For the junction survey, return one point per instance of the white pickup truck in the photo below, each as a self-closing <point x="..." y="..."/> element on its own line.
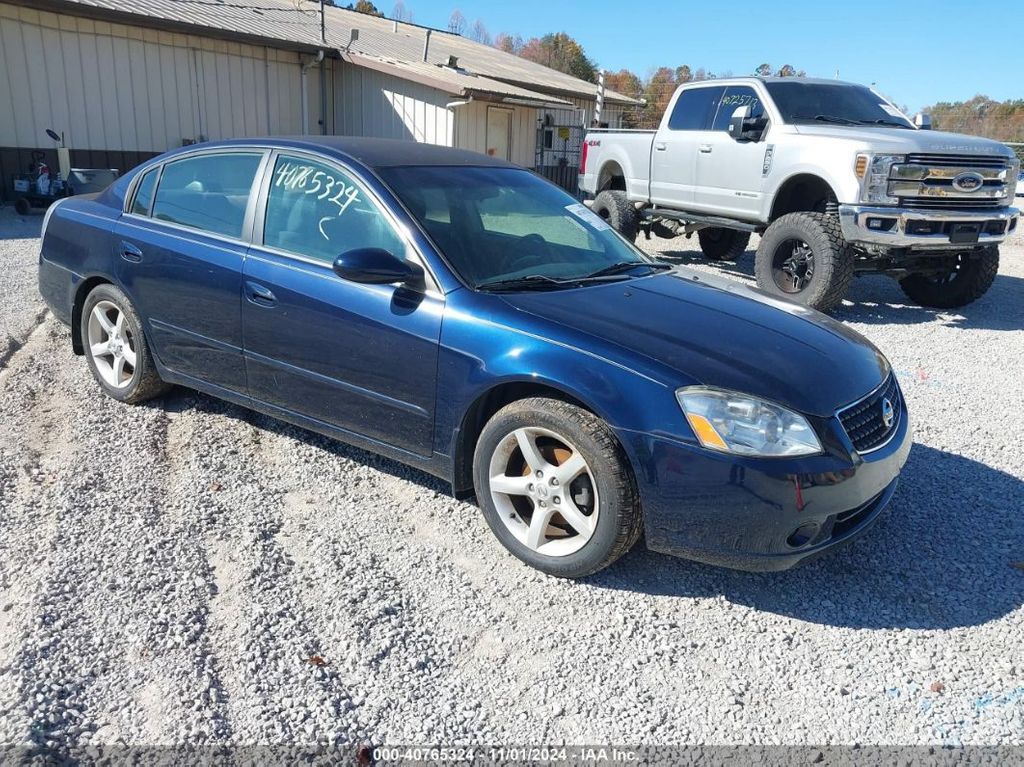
<point x="835" y="179"/>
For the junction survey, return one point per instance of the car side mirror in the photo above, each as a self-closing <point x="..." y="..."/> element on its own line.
<point x="744" y="127"/>
<point x="376" y="266"/>
<point x="923" y="121"/>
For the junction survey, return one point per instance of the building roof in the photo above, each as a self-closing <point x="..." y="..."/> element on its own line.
<point x="382" y="44"/>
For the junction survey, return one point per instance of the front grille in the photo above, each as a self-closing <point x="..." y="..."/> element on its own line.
<point x="968" y="160"/>
<point x="863" y="420"/>
<point x="946" y="203"/>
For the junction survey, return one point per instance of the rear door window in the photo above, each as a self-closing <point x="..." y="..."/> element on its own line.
<point x="734" y="97"/>
<point x="208" y="192"/>
<point x="144" y="193"/>
<point x="695" y="107"/>
<point x="317" y="211"/>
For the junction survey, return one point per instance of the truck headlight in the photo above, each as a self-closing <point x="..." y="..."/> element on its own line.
<point x="736" y="423"/>
<point x="1011" y="181"/>
<point x="874" y="170"/>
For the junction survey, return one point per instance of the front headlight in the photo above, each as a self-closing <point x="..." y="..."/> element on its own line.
<point x="874" y="170"/>
<point x="736" y="423"/>
<point x="1012" y="180"/>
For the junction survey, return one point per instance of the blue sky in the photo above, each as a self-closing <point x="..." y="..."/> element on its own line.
<point x="916" y="52"/>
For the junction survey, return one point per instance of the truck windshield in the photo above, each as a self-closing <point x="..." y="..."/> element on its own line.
<point x="507" y="229"/>
<point x="834" y="103"/>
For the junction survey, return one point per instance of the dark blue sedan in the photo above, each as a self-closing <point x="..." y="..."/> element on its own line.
<point x="461" y="315"/>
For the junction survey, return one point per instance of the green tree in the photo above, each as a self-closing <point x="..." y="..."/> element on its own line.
<point x="765" y="70"/>
<point x="364" y="6"/>
<point x="560" y="51"/>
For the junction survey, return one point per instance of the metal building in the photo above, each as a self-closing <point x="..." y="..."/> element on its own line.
<point x="126" y="79"/>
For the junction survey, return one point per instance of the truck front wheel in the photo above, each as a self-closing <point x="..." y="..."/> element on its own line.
<point x="803" y="257"/>
<point x="969" y="276"/>
<point x="720" y="244"/>
<point x="614" y="207"/>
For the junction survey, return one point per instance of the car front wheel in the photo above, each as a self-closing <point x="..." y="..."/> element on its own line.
<point x="116" y="347"/>
<point x="556" y="488"/>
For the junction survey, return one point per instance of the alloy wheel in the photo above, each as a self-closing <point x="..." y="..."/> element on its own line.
<point x="793" y="266"/>
<point x="111" y="345"/>
<point x="544" y="491"/>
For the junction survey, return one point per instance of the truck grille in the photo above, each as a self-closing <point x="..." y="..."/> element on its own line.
<point x="864" y="422"/>
<point x="925" y="181"/>
<point x="969" y="160"/>
<point x="948" y="203"/>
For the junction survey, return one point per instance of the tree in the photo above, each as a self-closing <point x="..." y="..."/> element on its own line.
<point x="765" y="70"/>
<point x="561" y="52"/>
<point x="364" y="6"/>
<point x="457" y="22"/>
<point x="786" y="70"/>
<point x="480" y="33"/>
<point x="400" y="12"/>
<point x="981" y="116"/>
<point x="508" y="43"/>
<point x="658" y="92"/>
<point x="683" y="74"/>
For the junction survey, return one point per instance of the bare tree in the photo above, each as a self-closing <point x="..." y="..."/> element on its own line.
<point x="480" y="33"/>
<point x="400" y="12"/>
<point x="457" y="23"/>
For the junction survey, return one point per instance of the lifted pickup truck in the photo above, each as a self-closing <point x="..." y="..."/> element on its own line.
<point x="835" y="179"/>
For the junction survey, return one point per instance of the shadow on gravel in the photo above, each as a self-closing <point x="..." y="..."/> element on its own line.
<point x="948" y="553"/>
<point x="878" y="300"/>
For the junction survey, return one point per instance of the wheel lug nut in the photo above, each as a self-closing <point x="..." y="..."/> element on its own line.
<point x="542" y="504"/>
<point x="554" y="482"/>
<point x="557" y="499"/>
<point x="530" y="487"/>
<point x="539" y="473"/>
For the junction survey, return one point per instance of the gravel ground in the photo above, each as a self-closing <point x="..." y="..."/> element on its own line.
<point x="191" y="572"/>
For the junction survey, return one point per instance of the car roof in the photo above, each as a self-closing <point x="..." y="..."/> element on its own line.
<point x="372" y="153"/>
<point x="746" y="80"/>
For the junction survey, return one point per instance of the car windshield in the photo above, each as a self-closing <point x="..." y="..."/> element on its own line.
<point x="835" y="103"/>
<point x="506" y="228"/>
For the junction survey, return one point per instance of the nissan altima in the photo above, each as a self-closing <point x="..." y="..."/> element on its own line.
<point x="464" y="316"/>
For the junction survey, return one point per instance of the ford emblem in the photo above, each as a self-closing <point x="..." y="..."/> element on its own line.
<point x="968" y="182"/>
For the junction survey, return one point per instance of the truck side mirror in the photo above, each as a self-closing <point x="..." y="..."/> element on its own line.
<point x="923" y="121"/>
<point x="743" y="127"/>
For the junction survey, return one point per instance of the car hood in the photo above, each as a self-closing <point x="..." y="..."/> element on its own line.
<point x="901" y="140"/>
<point x="704" y="329"/>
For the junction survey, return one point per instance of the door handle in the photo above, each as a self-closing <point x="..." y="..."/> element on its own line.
<point x="705" y="148"/>
<point x="661" y="146"/>
<point x="130" y="252"/>
<point x="259" y="295"/>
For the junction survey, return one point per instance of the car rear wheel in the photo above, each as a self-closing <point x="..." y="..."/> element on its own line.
<point x="803" y="257"/>
<point x="556" y="488"/>
<point x="968" y="278"/>
<point x="614" y="207"/>
<point x="719" y="244"/>
<point x="116" y="347"/>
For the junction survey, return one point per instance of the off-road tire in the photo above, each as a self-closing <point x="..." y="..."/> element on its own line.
<point x="620" y="520"/>
<point x="720" y="244"/>
<point x="973" y="277"/>
<point x="22" y="206"/>
<point x="832" y="259"/>
<point x="146" y="382"/>
<point x="614" y="207"/>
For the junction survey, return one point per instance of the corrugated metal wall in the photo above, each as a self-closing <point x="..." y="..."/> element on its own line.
<point x="370" y="103"/>
<point x="134" y="92"/>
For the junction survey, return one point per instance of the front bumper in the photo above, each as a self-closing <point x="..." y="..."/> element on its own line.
<point x="762" y="514"/>
<point x="854" y="222"/>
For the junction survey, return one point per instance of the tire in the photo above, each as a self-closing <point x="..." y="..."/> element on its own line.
<point x="802" y="257"/>
<point x="719" y="244"/>
<point x="116" y="348"/>
<point x="615" y="208"/>
<point x="22" y="206"/>
<point x="968" y="280"/>
<point x="560" y="436"/>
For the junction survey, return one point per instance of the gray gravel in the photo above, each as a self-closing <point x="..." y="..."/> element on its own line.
<point x="191" y="572"/>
